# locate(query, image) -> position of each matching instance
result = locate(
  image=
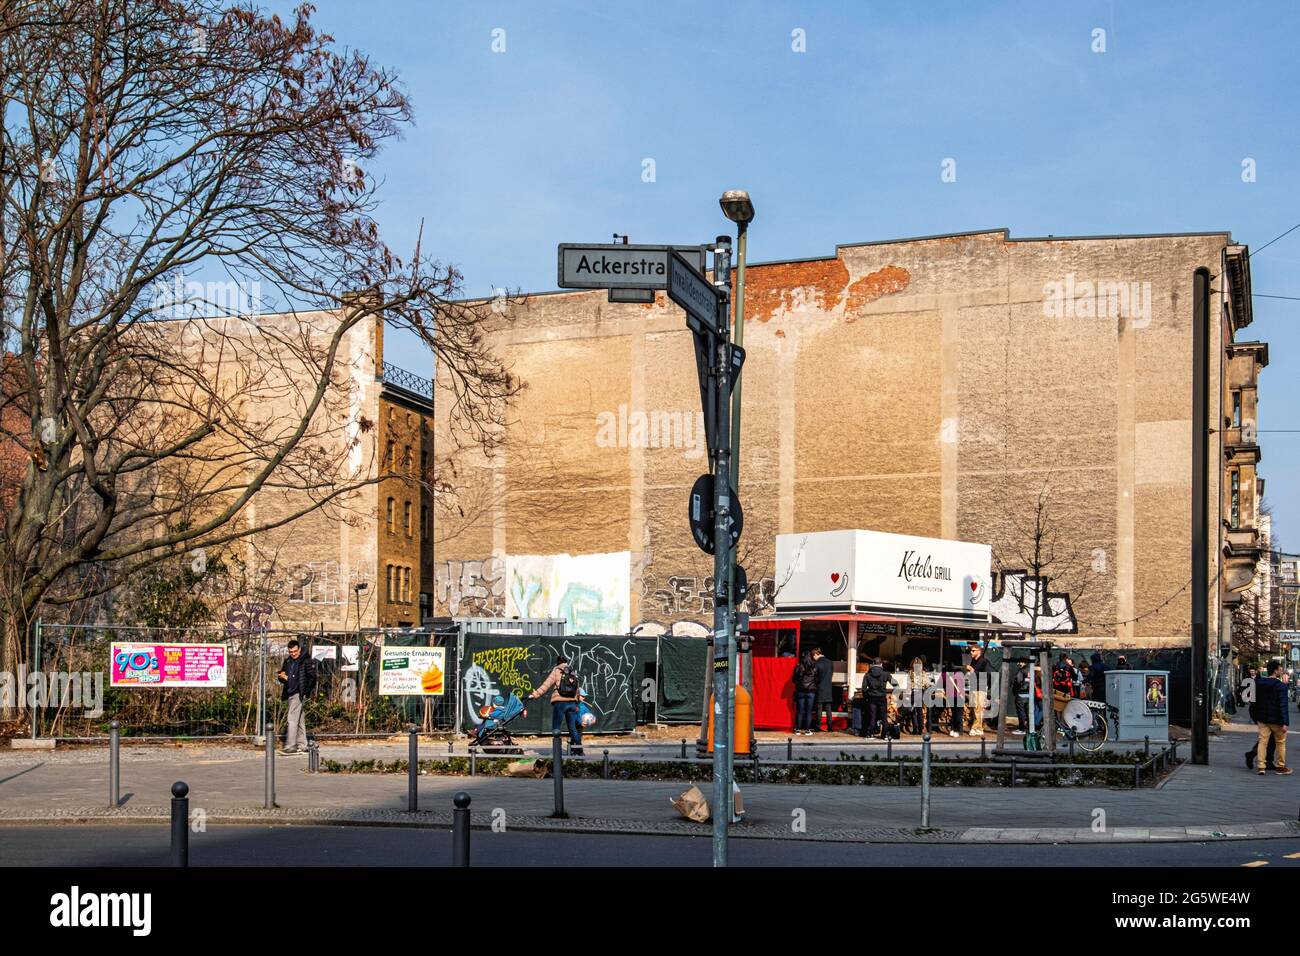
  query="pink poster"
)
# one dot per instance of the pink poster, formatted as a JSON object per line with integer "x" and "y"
{"x": 167, "y": 665}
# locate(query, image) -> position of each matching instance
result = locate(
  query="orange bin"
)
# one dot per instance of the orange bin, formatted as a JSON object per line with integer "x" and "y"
{"x": 743, "y": 724}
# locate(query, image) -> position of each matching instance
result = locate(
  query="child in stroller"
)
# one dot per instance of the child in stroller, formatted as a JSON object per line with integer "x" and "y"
{"x": 492, "y": 733}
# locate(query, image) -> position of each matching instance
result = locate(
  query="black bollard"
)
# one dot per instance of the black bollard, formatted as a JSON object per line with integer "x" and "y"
{"x": 180, "y": 824}
{"x": 1013, "y": 771}
{"x": 789, "y": 748}
{"x": 460, "y": 830}
{"x": 1146, "y": 745}
{"x": 114, "y": 766}
{"x": 557, "y": 774}
{"x": 984, "y": 749}
{"x": 413, "y": 772}
{"x": 604, "y": 767}
{"x": 683, "y": 748}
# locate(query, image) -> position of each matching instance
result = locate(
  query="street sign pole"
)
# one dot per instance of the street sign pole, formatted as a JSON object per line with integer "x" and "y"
{"x": 721, "y": 564}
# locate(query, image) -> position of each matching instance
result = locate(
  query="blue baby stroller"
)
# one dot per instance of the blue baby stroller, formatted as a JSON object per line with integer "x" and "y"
{"x": 491, "y": 735}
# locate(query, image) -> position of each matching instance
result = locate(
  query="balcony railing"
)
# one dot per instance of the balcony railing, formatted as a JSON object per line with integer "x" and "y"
{"x": 409, "y": 381}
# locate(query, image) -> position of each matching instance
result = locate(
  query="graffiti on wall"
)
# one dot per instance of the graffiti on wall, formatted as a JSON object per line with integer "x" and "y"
{"x": 248, "y": 616}
{"x": 589, "y": 591}
{"x": 693, "y": 596}
{"x": 1019, "y": 593}
{"x": 471, "y": 588}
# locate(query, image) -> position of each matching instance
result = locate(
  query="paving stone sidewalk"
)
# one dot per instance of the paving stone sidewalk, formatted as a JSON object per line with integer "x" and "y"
{"x": 1219, "y": 801}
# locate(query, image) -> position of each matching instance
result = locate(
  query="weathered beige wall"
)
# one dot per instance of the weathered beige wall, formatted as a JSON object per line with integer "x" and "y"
{"x": 915, "y": 387}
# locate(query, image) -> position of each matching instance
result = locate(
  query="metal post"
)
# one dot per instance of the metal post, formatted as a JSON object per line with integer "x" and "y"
{"x": 460, "y": 829}
{"x": 604, "y": 766}
{"x": 557, "y": 774}
{"x": 261, "y": 684}
{"x": 270, "y": 768}
{"x": 889, "y": 740}
{"x": 684, "y": 742}
{"x": 473, "y": 761}
{"x": 180, "y": 824}
{"x": 313, "y": 756}
{"x": 1146, "y": 745}
{"x": 36, "y": 669}
{"x": 1137, "y": 773}
{"x": 738, "y": 336}
{"x": 114, "y": 765}
{"x": 1013, "y": 769}
{"x": 900, "y": 772}
{"x": 722, "y": 676}
{"x": 413, "y": 771}
{"x": 925, "y": 780}
{"x": 789, "y": 748}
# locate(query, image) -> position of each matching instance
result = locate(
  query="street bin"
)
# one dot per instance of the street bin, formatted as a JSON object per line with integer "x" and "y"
{"x": 1142, "y": 699}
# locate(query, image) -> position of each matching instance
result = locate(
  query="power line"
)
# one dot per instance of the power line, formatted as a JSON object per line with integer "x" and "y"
{"x": 1261, "y": 295}
{"x": 1273, "y": 240}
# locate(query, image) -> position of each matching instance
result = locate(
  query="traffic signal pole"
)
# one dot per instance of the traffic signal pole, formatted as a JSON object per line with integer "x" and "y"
{"x": 722, "y": 553}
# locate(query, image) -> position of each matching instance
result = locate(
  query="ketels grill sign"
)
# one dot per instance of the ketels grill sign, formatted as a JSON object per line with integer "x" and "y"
{"x": 888, "y": 574}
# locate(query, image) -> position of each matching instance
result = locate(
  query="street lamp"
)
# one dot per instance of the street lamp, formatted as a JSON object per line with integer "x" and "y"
{"x": 736, "y": 206}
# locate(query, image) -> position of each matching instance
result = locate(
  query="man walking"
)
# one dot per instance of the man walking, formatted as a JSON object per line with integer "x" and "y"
{"x": 1274, "y": 719}
{"x": 566, "y": 691}
{"x": 1098, "y": 677}
{"x": 297, "y": 678}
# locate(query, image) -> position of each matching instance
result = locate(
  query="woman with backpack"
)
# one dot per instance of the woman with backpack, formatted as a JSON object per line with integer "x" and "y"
{"x": 805, "y": 681}
{"x": 566, "y": 693}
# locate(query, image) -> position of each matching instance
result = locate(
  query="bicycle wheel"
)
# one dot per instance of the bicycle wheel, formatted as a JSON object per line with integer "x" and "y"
{"x": 1095, "y": 737}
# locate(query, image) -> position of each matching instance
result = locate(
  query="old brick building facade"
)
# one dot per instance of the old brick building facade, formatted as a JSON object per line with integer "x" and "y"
{"x": 935, "y": 386}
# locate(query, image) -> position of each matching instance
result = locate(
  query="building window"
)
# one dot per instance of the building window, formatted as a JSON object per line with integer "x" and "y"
{"x": 406, "y": 460}
{"x": 406, "y": 585}
{"x": 1236, "y": 409}
{"x": 406, "y": 518}
{"x": 390, "y": 515}
{"x": 424, "y": 522}
{"x": 1236, "y": 498}
{"x": 388, "y": 591}
{"x": 389, "y": 460}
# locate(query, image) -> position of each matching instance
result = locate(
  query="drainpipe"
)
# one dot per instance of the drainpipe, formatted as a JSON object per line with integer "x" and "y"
{"x": 1200, "y": 509}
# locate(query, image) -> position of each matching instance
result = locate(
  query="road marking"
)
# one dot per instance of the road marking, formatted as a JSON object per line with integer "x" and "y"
{"x": 1256, "y": 863}
{"x": 1292, "y": 856}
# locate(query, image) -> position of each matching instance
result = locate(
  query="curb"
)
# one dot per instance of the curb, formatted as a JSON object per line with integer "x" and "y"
{"x": 309, "y": 816}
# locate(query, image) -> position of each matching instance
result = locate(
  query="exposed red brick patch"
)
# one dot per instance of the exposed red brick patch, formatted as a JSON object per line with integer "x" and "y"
{"x": 780, "y": 333}
{"x": 871, "y": 287}
{"x": 769, "y": 289}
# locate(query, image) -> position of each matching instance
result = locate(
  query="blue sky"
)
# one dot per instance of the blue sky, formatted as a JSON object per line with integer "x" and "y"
{"x": 515, "y": 151}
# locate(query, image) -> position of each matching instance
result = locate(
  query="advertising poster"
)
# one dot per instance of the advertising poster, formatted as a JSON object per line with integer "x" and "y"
{"x": 167, "y": 665}
{"x": 413, "y": 671}
{"x": 1156, "y": 698}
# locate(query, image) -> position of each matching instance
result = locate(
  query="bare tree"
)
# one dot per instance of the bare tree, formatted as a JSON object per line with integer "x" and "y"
{"x": 1039, "y": 544}
{"x": 146, "y": 139}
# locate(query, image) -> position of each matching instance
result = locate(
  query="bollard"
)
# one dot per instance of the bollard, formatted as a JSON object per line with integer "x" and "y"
{"x": 900, "y": 772}
{"x": 1013, "y": 771}
{"x": 1071, "y": 748}
{"x": 604, "y": 766}
{"x": 413, "y": 772}
{"x": 1137, "y": 772}
{"x": 1146, "y": 745}
{"x": 789, "y": 748}
{"x": 313, "y": 756}
{"x": 451, "y": 748}
{"x": 925, "y": 780}
{"x": 683, "y": 748}
{"x": 984, "y": 749}
{"x": 460, "y": 830}
{"x": 270, "y": 767}
{"x": 473, "y": 761}
{"x": 889, "y": 748}
{"x": 180, "y": 824}
{"x": 114, "y": 766}
{"x": 557, "y": 774}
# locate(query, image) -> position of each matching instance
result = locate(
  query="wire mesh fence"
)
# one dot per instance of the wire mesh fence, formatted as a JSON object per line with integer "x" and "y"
{"x": 76, "y": 699}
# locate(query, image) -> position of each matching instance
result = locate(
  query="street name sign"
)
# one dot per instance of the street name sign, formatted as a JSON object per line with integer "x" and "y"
{"x": 618, "y": 266}
{"x": 694, "y": 293}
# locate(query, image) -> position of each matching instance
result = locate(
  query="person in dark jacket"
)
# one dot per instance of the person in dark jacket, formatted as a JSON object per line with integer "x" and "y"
{"x": 1098, "y": 677}
{"x": 876, "y": 685}
{"x": 1273, "y": 714}
{"x": 805, "y": 680}
{"x": 297, "y": 679}
{"x": 825, "y": 669}
{"x": 1020, "y": 691}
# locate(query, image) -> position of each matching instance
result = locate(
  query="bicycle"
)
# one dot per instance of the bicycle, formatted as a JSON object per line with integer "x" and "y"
{"x": 1086, "y": 722}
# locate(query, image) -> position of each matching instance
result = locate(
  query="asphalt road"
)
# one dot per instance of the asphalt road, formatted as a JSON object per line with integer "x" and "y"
{"x": 139, "y": 845}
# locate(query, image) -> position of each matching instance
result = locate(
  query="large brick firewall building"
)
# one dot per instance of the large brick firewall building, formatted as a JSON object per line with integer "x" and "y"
{"x": 935, "y": 386}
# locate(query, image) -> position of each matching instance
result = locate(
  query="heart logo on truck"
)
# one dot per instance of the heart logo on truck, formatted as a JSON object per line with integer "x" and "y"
{"x": 839, "y": 582}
